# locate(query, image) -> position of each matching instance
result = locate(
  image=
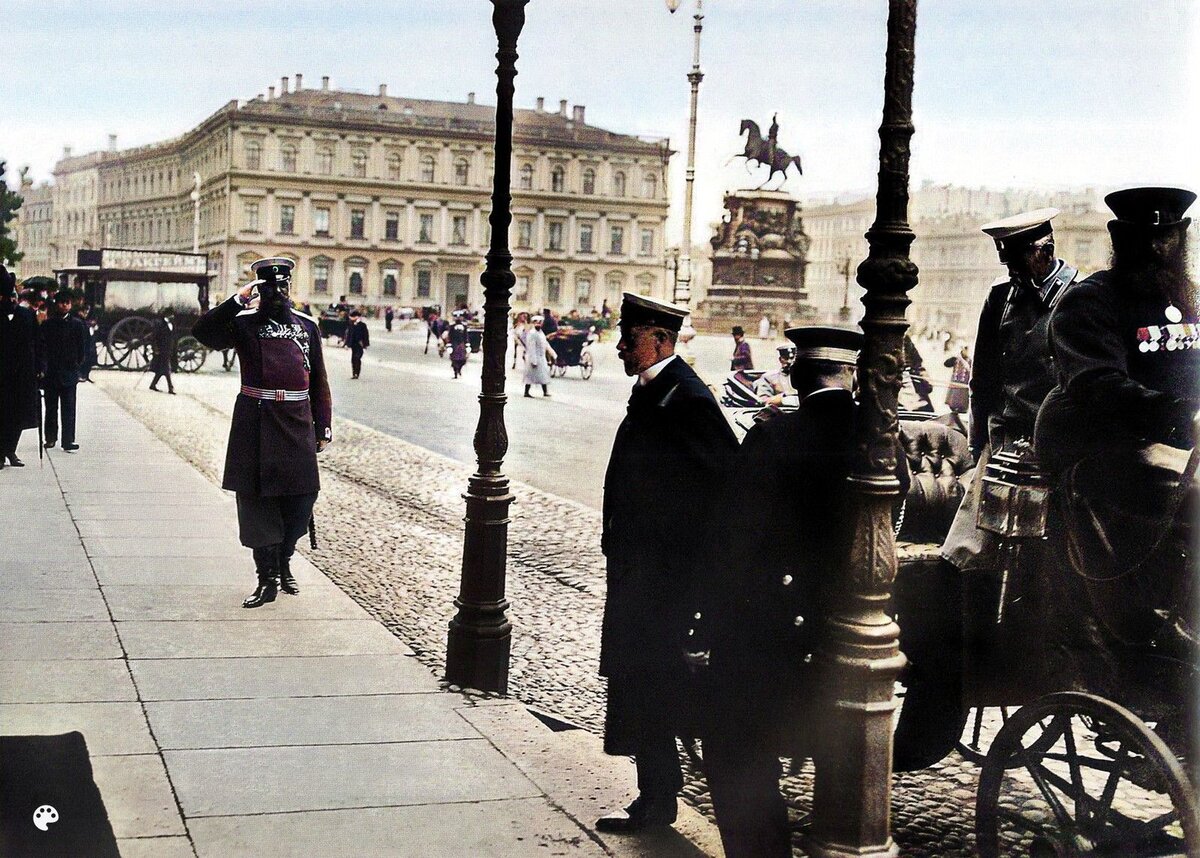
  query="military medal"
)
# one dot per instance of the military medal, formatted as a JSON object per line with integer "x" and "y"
{"x": 1174, "y": 314}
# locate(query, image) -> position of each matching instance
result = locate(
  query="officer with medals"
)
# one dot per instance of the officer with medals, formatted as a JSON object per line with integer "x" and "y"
{"x": 666, "y": 469}
{"x": 1118, "y": 427}
{"x": 759, "y": 620}
{"x": 281, "y": 420}
{"x": 1013, "y": 372}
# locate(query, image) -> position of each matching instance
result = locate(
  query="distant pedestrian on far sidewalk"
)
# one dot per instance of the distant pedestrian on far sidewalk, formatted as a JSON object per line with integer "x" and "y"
{"x": 538, "y": 358}
{"x": 65, "y": 340}
{"x": 741, "y": 358}
{"x": 163, "y": 353}
{"x": 958, "y": 397}
{"x": 358, "y": 338}
{"x": 388, "y": 315}
{"x": 458, "y": 339}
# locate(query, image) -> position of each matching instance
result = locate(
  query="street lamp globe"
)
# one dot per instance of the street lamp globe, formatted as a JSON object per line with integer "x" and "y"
{"x": 672, "y": 5}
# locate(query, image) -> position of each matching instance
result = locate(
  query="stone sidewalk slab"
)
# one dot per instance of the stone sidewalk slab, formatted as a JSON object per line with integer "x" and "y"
{"x": 41, "y": 641}
{"x": 77, "y": 681}
{"x": 224, "y": 602}
{"x": 43, "y": 604}
{"x": 137, "y": 796}
{"x": 109, "y": 728}
{"x": 232, "y": 638}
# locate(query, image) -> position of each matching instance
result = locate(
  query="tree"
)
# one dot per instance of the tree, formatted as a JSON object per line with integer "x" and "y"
{"x": 10, "y": 201}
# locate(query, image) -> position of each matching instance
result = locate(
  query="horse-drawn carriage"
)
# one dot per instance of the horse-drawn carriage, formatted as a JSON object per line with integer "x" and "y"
{"x": 573, "y": 348}
{"x": 127, "y": 289}
{"x": 1084, "y": 731}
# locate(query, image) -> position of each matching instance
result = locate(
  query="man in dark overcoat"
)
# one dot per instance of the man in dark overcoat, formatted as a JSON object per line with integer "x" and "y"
{"x": 759, "y": 617}
{"x": 667, "y": 465}
{"x": 1117, "y": 428}
{"x": 20, "y": 357}
{"x": 358, "y": 339}
{"x": 162, "y": 352}
{"x": 65, "y": 341}
{"x": 281, "y": 420}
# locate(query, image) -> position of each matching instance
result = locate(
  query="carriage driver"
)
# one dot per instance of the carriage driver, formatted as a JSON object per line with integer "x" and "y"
{"x": 281, "y": 420}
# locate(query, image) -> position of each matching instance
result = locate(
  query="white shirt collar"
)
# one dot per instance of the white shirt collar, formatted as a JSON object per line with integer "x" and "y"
{"x": 826, "y": 390}
{"x": 651, "y": 372}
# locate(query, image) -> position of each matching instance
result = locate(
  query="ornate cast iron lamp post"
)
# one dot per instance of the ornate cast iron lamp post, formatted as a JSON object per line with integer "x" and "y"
{"x": 478, "y": 642}
{"x": 682, "y": 294}
{"x": 852, "y": 801}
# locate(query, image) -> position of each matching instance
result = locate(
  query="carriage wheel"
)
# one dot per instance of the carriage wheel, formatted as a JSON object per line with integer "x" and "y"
{"x": 189, "y": 354}
{"x": 981, "y": 731}
{"x": 585, "y": 366}
{"x": 1074, "y": 774}
{"x": 129, "y": 342}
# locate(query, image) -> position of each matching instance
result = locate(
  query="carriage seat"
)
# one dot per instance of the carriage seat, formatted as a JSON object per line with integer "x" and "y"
{"x": 940, "y": 469}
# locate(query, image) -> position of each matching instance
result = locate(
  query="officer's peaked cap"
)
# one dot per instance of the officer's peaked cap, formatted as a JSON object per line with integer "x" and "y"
{"x": 641, "y": 310}
{"x": 1021, "y": 228}
{"x": 822, "y": 342}
{"x": 1151, "y": 208}
{"x": 273, "y": 268}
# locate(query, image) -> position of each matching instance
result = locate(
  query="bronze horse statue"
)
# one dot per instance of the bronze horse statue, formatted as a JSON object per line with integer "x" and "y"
{"x": 765, "y": 151}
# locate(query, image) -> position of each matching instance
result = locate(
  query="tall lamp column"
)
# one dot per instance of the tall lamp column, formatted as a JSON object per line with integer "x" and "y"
{"x": 683, "y": 275}
{"x": 477, "y": 647}
{"x": 852, "y": 795}
{"x": 195, "y": 213}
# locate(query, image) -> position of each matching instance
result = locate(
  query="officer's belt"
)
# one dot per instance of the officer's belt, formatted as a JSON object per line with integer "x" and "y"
{"x": 274, "y": 395}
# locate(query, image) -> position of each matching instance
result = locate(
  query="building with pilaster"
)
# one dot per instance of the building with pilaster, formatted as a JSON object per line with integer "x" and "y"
{"x": 33, "y": 228}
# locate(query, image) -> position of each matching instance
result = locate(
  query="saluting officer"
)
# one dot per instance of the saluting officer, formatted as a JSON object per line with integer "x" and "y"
{"x": 668, "y": 461}
{"x": 281, "y": 420}
{"x": 759, "y": 618}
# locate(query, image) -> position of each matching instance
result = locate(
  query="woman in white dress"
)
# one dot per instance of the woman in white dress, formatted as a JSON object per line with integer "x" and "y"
{"x": 538, "y": 357}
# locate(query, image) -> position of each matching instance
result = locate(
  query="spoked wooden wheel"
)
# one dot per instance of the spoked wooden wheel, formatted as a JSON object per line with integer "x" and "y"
{"x": 1073, "y": 775}
{"x": 981, "y": 729}
{"x": 585, "y": 366}
{"x": 129, "y": 342}
{"x": 189, "y": 354}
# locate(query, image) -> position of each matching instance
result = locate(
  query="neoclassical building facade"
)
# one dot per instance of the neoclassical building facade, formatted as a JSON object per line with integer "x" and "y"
{"x": 385, "y": 199}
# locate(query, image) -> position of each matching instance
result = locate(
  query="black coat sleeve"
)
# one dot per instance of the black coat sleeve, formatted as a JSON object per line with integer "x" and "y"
{"x": 986, "y": 388}
{"x": 215, "y": 328}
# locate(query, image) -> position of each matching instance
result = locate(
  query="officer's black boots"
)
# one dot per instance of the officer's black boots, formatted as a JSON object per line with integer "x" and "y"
{"x": 287, "y": 581}
{"x": 266, "y": 561}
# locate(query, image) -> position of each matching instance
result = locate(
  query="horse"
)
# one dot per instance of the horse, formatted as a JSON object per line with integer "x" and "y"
{"x": 758, "y": 150}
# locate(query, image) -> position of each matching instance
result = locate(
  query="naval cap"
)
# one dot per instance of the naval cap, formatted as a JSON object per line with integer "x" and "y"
{"x": 273, "y": 268}
{"x": 1150, "y": 207}
{"x": 642, "y": 310}
{"x": 1021, "y": 228}
{"x": 823, "y": 342}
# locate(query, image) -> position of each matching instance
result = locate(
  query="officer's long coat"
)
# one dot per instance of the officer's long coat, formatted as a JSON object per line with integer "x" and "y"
{"x": 762, "y": 612}
{"x": 272, "y": 445}
{"x": 163, "y": 347}
{"x": 668, "y": 463}
{"x": 65, "y": 344}
{"x": 20, "y": 357}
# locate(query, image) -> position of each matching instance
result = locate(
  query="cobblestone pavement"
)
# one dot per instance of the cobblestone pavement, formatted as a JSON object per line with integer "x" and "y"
{"x": 389, "y": 524}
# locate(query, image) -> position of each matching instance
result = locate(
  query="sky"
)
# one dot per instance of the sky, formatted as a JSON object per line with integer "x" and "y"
{"x": 1008, "y": 93}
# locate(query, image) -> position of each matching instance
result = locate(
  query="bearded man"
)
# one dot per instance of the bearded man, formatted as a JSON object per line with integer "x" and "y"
{"x": 281, "y": 420}
{"x": 1118, "y": 426}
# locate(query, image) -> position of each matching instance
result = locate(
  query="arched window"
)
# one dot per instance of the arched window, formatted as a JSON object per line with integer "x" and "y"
{"x": 583, "y": 289}
{"x": 325, "y": 162}
{"x": 589, "y": 181}
{"x": 558, "y": 179}
{"x": 554, "y": 278}
{"x": 389, "y": 283}
{"x": 618, "y": 184}
{"x": 358, "y": 160}
{"x": 394, "y": 163}
{"x": 527, "y": 177}
{"x": 287, "y": 158}
{"x": 649, "y": 186}
{"x": 427, "y": 168}
{"x": 356, "y": 283}
{"x": 462, "y": 171}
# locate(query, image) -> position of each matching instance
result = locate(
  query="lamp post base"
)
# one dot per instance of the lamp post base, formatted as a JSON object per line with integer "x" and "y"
{"x": 477, "y": 657}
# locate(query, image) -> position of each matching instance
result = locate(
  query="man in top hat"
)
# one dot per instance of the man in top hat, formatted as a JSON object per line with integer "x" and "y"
{"x": 1117, "y": 426}
{"x": 741, "y": 351}
{"x": 281, "y": 420}
{"x": 667, "y": 466}
{"x": 758, "y": 619}
{"x": 65, "y": 341}
{"x": 163, "y": 355}
{"x": 20, "y": 358}
{"x": 358, "y": 338}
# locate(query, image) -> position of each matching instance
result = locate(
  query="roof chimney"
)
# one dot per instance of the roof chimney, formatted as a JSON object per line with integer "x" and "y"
{"x": 112, "y": 142}
{"x": 562, "y": 107}
{"x": 299, "y": 78}
{"x": 382, "y": 90}
{"x": 270, "y": 93}
{"x": 66, "y": 151}
{"x": 541, "y": 104}
{"x": 283, "y": 85}
{"x": 470, "y": 98}
{"x": 325, "y": 81}
{"x": 577, "y": 114}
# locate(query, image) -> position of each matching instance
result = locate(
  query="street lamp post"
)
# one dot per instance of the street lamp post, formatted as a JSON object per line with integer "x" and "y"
{"x": 852, "y": 796}
{"x": 683, "y": 278}
{"x": 480, "y": 634}
{"x": 196, "y": 213}
{"x": 844, "y": 270}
